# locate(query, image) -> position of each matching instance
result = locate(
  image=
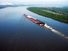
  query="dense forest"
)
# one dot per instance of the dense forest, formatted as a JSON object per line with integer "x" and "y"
{"x": 60, "y": 14}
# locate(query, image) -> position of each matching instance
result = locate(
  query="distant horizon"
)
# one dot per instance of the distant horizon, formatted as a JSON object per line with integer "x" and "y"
{"x": 49, "y": 3}
{"x": 35, "y": 5}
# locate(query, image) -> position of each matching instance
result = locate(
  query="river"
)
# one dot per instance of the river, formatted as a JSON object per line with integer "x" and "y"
{"x": 17, "y": 33}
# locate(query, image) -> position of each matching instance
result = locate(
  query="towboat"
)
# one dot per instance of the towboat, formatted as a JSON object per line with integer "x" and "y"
{"x": 44, "y": 25}
{"x": 34, "y": 20}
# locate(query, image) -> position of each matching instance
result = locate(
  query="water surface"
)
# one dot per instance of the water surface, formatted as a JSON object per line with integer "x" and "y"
{"x": 17, "y": 33}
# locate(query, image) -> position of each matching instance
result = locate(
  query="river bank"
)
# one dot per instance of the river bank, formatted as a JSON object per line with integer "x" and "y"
{"x": 49, "y": 13}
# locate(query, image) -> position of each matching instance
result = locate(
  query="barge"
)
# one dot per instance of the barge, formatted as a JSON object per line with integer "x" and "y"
{"x": 34, "y": 20}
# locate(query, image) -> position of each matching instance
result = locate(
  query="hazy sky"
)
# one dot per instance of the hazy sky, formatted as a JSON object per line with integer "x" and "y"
{"x": 46, "y": 2}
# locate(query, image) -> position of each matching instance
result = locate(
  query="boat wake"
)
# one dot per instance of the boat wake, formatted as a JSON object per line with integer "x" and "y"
{"x": 55, "y": 31}
{"x": 42, "y": 24}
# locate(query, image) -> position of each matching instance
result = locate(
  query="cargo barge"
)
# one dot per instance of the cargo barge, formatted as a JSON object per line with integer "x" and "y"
{"x": 34, "y": 20}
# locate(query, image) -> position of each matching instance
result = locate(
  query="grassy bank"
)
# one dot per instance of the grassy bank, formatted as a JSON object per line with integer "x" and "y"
{"x": 49, "y": 13}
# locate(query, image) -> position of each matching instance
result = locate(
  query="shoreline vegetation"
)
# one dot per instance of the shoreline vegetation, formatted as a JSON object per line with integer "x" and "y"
{"x": 59, "y": 14}
{"x": 4, "y": 6}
